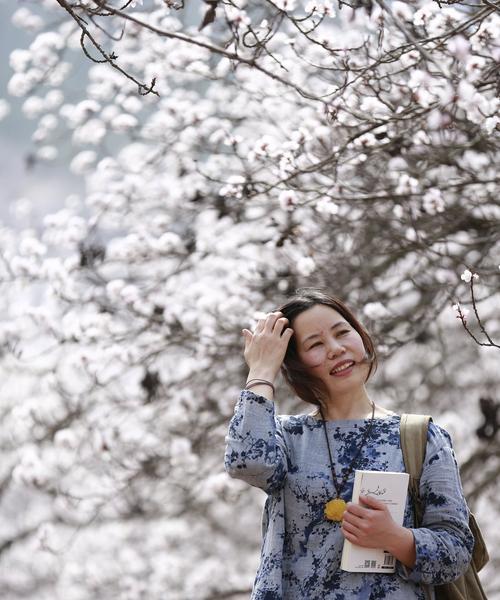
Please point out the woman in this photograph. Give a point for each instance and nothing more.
(305, 461)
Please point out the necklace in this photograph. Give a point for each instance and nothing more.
(335, 508)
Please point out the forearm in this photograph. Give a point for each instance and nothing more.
(262, 389)
(402, 546)
(441, 555)
(255, 448)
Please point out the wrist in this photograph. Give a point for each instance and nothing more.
(402, 546)
(261, 374)
(261, 387)
(394, 538)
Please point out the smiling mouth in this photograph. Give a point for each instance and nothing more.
(344, 367)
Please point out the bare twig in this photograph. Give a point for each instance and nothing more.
(463, 318)
(107, 58)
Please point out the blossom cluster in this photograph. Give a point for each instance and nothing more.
(274, 157)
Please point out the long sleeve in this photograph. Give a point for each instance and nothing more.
(255, 448)
(444, 541)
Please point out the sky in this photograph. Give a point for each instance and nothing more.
(45, 187)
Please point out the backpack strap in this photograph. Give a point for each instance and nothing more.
(413, 431)
(413, 436)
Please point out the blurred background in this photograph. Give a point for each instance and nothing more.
(212, 158)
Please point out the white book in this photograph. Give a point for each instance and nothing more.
(391, 489)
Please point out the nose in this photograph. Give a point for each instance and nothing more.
(335, 348)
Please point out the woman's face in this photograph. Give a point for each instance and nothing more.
(330, 348)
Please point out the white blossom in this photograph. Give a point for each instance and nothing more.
(114, 289)
(32, 470)
(490, 124)
(437, 119)
(288, 200)
(471, 159)
(24, 18)
(130, 293)
(66, 438)
(54, 99)
(327, 206)
(461, 311)
(168, 242)
(80, 113)
(47, 152)
(486, 37)
(236, 16)
(132, 104)
(233, 187)
(398, 211)
(46, 40)
(30, 246)
(423, 15)
(19, 60)
(286, 5)
(20, 84)
(123, 123)
(459, 46)
(402, 10)
(4, 108)
(324, 7)
(83, 162)
(305, 265)
(428, 89)
(468, 275)
(406, 184)
(45, 535)
(376, 311)
(265, 146)
(24, 266)
(433, 201)
(91, 132)
(373, 107)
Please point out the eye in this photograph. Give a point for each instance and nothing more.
(344, 331)
(316, 344)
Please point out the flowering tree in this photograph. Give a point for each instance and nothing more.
(227, 163)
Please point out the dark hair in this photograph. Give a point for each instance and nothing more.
(306, 386)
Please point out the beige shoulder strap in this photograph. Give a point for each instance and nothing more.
(413, 436)
(413, 433)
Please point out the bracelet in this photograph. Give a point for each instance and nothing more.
(253, 382)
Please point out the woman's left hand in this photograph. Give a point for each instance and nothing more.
(369, 524)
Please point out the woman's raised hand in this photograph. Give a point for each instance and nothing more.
(265, 349)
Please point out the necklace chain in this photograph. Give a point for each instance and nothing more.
(339, 488)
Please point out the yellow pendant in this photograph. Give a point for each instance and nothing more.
(334, 509)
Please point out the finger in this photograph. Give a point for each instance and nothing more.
(372, 503)
(270, 321)
(357, 510)
(261, 323)
(247, 335)
(350, 536)
(355, 539)
(280, 324)
(352, 521)
(349, 528)
(259, 318)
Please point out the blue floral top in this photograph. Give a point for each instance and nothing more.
(287, 457)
